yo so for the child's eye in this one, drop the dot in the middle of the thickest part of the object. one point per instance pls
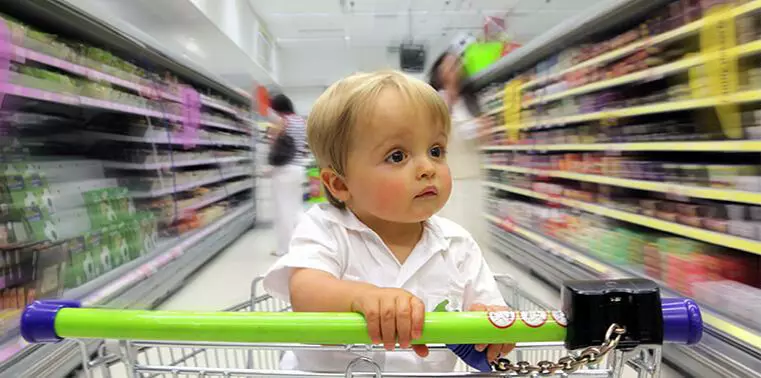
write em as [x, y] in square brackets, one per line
[437, 151]
[396, 157]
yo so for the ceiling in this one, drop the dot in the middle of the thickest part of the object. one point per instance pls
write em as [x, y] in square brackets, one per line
[182, 31]
[381, 23]
[316, 41]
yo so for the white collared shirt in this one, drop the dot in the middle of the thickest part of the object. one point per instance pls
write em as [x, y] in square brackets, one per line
[446, 264]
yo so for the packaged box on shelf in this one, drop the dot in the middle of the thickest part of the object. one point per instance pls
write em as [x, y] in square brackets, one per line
[121, 202]
[33, 272]
[49, 272]
[148, 231]
[100, 258]
[132, 233]
[81, 265]
[734, 298]
[117, 245]
[99, 207]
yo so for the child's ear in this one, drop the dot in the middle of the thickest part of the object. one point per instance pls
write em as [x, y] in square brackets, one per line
[335, 184]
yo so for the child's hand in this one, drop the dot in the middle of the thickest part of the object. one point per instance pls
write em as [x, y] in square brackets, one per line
[392, 315]
[493, 351]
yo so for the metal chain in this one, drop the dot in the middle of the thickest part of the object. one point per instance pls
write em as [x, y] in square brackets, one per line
[567, 364]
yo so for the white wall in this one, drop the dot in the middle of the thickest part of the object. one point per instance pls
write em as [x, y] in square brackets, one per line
[303, 97]
[240, 24]
[306, 73]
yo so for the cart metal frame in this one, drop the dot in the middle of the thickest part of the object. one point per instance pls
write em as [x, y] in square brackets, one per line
[142, 359]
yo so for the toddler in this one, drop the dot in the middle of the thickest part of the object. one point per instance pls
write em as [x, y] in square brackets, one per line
[377, 248]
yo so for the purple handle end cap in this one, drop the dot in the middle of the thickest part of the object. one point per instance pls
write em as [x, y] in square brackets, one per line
[682, 321]
[472, 357]
[38, 320]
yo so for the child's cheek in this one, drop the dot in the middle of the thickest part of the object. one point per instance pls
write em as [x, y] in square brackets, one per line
[388, 193]
[445, 181]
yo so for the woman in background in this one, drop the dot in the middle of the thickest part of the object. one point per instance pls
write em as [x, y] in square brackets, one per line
[465, 204]
[287, 179]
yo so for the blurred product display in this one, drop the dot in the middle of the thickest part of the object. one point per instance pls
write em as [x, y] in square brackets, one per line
[633, 152]
[118, 177]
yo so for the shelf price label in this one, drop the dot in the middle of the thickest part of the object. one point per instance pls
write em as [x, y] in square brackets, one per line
[717, 38]
[512, 104]
[508, 225]
[191, 115]
[6, 52]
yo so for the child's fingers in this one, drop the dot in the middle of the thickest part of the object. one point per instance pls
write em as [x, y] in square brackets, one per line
[418, 317]
[371, 311]
[497, 308]
[506, 349]
[403, 321]
[476, 307]
[421, 350]
[388, 322]
[493, 352]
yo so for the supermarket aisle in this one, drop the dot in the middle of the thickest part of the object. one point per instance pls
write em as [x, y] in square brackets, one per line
[226, 280]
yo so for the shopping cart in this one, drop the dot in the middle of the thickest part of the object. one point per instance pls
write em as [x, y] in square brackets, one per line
[117, 356]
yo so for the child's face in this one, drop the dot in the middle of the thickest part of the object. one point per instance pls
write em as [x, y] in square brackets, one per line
[397, 169]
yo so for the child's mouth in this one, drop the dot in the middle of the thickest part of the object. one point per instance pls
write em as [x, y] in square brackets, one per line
[430, 191]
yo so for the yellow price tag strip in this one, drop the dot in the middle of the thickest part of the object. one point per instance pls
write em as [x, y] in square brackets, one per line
[512, 102]
[717, 39]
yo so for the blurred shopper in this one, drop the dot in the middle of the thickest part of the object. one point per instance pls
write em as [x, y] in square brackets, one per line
[464, 206]
[288, 173]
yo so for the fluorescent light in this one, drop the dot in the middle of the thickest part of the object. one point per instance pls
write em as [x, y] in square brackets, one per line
[192, 46]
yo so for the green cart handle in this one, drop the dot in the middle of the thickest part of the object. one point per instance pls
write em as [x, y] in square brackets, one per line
[52, 321]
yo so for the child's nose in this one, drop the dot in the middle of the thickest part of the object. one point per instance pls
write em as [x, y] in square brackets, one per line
[425, 168]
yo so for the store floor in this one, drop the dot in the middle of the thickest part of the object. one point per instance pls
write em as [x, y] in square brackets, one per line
[226, 280]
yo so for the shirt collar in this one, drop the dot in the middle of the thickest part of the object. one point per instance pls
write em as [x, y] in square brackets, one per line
[440, 235]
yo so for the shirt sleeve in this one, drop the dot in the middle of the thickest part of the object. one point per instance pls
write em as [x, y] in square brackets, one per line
[481, 287]
[312, 246]
[464, 124]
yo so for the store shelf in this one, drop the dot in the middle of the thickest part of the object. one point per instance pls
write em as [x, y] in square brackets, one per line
[668, 37]
[551, 246]
[75, 100]
[671, 36]
[711, 317]
[163, 165]
[137, 284]
[714, 146]
[225, 126]
[707, 236]
[188, 186]
[214, 197]
[655, 108]
[21, 54]
[175, 139]
[644, 75]
[494, 111]
[212, 103]
[728, 195]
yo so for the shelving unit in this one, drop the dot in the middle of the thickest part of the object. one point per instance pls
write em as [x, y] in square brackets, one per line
[728, 195]
[118, 179]
[717, 238]
[626, 144]
[717, 146]
[566, 263]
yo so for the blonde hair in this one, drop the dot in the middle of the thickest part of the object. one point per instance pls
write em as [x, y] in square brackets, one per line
[350, 101]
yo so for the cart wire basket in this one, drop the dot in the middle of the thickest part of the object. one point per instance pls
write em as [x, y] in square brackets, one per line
[135, 358]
